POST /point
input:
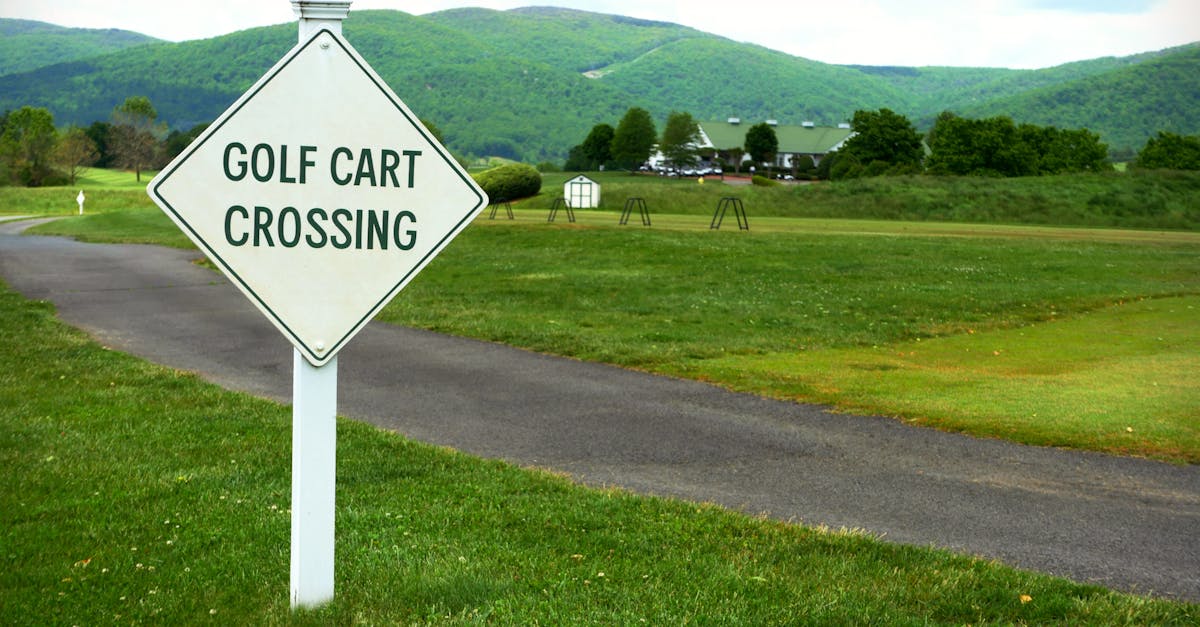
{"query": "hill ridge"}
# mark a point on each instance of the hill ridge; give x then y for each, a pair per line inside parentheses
(516, 83)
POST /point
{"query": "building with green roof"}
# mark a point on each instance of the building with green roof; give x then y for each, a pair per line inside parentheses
(728, 138)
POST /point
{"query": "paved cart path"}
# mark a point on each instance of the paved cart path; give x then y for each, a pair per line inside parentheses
(1128, 524)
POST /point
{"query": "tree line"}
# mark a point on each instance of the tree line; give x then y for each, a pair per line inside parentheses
(34, 153)
(884, 143)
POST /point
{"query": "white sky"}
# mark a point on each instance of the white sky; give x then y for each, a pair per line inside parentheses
(983, 33)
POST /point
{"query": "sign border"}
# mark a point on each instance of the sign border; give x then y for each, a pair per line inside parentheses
(317, 358)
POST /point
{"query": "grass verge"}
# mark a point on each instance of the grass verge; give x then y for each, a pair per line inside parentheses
(133, 493)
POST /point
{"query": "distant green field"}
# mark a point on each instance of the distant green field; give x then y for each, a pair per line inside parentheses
(113, 179)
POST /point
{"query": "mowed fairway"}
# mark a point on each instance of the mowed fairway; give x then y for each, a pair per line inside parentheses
(1075, 337)
(1065, 337)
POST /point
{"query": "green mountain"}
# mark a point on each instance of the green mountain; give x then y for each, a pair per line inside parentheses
(530, 83)
(577, 41)
(1126, 105)
(27, 45)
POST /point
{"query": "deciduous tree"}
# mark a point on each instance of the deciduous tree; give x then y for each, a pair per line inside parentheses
(679, 138)
(761, 143)
(883, 136)
(76, 151)
(1169, 151)
(597, 147)
(634, 138)
(136, 134)
(998, 147)
(27, 145)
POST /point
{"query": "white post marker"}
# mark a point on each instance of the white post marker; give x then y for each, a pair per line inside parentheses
(79, 199)
(314, 419)
(320, 195)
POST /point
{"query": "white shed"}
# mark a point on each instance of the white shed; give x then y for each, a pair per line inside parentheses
(582, 192)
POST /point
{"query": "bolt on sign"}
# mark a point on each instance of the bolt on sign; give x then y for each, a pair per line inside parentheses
(319, 194)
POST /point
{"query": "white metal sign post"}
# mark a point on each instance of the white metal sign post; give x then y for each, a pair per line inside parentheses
(320, 195)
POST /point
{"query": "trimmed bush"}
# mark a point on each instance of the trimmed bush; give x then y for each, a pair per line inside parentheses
(509, 182)
(763, 181)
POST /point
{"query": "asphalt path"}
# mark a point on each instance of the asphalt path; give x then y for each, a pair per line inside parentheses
(1128, 524)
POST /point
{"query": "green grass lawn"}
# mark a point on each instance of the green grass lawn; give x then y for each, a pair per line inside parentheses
(797, 307)
(795, 314)
(133, 493)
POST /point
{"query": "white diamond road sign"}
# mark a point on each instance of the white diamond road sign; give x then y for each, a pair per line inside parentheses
(319, 194)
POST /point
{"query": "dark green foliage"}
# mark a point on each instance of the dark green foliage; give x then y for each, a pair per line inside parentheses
(27, 142)
(679, 139)
(998, 147)
(510, 182)
(99, 132)
(1169, 151)
(597, 147)
(178, 140)
(634, 138)
(761, 143)
(883, 141)
(577, 161)
(803, 167)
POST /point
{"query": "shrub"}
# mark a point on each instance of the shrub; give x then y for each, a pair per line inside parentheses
(1170, 151)
(509, 182)
(763, 181)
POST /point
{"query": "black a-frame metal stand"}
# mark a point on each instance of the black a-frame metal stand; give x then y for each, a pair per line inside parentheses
(739, 210)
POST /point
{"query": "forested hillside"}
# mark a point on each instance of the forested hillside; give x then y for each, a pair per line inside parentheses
(529, 83)
(716, 78)
(572, 40)
(1126, 105)
(27, 45)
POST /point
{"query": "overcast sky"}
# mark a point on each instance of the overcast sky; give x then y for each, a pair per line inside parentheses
(982, 33)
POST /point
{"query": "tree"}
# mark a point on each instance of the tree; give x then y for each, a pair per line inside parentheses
(577, 161)
(761, 143)
(679, 138)
(75, 152)
(736, 153)
(998, 147)
(596, 149)
(177, 141)
(634, 138)
(135, 134)
(1168, 151)
(428, 124)
(883, 135)
(803, 167)
(99, 131)
(27, 145)
(1064, 150)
